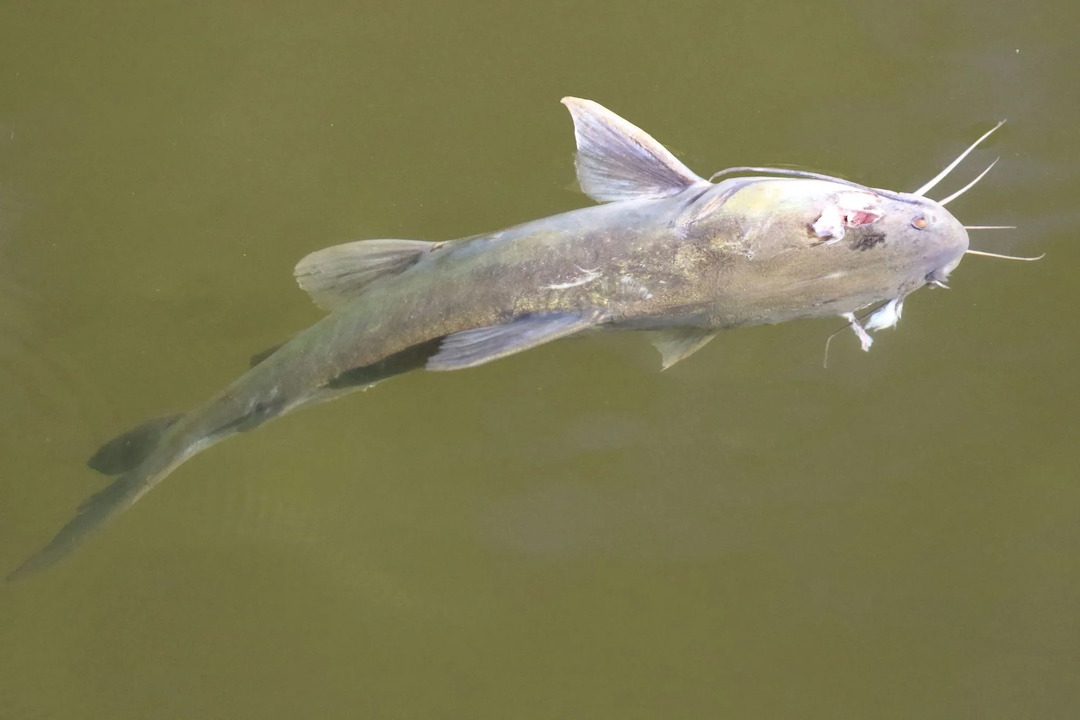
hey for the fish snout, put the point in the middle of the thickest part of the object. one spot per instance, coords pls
(946, 239)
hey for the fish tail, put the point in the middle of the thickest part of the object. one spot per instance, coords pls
(141, 458)
(92, 515)
(125, 452)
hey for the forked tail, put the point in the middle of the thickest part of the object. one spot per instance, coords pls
(143, 457)
(92, 515)
(140, 460)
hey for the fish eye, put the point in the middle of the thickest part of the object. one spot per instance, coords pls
(920, 222)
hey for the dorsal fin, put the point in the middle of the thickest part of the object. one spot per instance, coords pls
(617, 160)
(337, 274)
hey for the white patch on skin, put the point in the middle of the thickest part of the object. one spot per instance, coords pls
(887, 315)
(864, 337)
(588, 277)
(830, 226)
(849, 209)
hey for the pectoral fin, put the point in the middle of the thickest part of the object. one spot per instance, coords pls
(617, 160)
(481, 345)
(674, 345)
(337, 274)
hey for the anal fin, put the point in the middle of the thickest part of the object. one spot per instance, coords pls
(402, 362)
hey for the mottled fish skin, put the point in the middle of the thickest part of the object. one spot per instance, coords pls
(686, 257)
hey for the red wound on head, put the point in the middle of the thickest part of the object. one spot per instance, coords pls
(847, 209)
(860, 217)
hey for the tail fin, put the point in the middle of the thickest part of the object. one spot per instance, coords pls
(123, 453)
(92, 515)
(141, 461)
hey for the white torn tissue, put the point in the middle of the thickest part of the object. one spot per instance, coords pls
(887, 315)
(849, 209)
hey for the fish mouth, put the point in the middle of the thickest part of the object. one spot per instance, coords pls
(940, 274)
(937, 278)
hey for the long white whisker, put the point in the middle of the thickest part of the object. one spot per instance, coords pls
(941, 175)
(970, 185)
(989, 227)
(1004, 257)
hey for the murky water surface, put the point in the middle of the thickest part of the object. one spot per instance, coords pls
(567, 533)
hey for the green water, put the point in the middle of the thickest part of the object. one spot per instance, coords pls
(566, 533)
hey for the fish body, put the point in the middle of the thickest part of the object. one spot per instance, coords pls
(667, 252)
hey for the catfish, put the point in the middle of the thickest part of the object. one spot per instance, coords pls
(665, 251)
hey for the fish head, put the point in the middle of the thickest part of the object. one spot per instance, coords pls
(919, 241)
(945, 234)
(797, 247)
(883, 244)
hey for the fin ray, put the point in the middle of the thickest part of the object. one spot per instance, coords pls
(676, 345)
(617, 160)
(334, 275)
